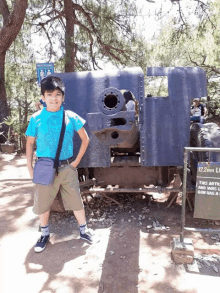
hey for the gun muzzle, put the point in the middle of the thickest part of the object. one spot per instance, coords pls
(111, 101)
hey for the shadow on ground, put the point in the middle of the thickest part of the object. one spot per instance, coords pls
(15, 198)
(52, 262)
(129, 257)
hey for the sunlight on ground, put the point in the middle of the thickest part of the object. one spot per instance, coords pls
(154, 249)
(9, 164)
(150, 273)
(47, 272)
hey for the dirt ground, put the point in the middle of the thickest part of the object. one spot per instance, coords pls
(129, 255)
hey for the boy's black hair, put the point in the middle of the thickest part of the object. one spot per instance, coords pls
(51, 83)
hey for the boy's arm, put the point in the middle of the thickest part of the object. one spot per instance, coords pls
(85, 142)
(29, 153)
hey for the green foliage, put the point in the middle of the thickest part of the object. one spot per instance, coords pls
(21, 83)
(103, 32)
(9, 121)
(197, 44)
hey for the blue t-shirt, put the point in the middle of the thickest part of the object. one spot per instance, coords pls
(46, 127)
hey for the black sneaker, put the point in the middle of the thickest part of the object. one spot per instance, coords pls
(41, 243)
(87, 236)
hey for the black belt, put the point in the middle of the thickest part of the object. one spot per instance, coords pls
(64, 162)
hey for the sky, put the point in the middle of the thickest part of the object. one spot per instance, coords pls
(152, 23)
(147, 23)
(144, 22)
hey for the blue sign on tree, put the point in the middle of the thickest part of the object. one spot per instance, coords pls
(43, 70)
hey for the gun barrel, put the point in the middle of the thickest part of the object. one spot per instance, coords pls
(111, 101)
(114, 126)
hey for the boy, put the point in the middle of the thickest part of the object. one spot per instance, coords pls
(45, 126)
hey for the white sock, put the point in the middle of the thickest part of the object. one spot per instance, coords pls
(45, 231)
(82, 228)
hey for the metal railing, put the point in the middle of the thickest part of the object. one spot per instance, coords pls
(183, 214)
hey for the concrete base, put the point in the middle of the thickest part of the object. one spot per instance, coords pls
(182, 252)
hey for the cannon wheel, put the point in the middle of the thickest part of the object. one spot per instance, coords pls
(203, 135)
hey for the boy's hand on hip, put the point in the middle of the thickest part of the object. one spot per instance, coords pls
(74, 164)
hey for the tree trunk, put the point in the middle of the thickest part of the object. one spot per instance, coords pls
(20, 123)
(12, 22)
(4, 109)
(69, 36)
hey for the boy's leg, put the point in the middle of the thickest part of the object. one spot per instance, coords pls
(80, 216)
(85, 234)
(45, 232)
(44, 196)
(44, 218)
(72, 199)
(43, 199)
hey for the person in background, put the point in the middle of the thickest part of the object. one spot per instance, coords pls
(45, 126)
(129, 101)
(198, 111)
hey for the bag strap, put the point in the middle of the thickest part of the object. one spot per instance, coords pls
(56, 162)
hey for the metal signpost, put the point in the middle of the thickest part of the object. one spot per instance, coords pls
(43, 70)
(207, 201)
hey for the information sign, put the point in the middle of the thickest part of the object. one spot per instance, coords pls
(207, 198)
(43, 70)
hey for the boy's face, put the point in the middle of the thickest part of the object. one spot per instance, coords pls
(53, 99)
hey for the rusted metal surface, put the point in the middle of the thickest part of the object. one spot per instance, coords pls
(157, 189)
(119, 130)
(88, 183)
(127, 175)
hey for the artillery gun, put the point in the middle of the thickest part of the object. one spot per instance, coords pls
(133, 150)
